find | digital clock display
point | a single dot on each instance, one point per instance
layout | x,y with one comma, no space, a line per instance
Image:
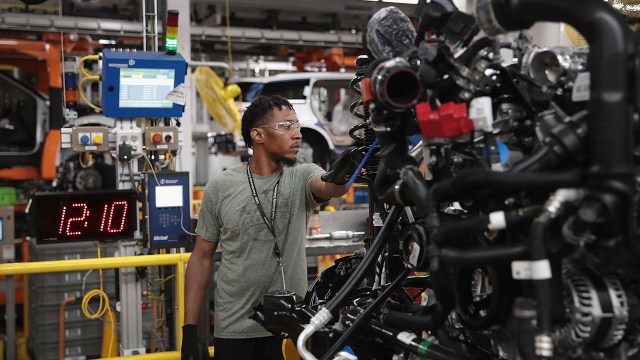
84,216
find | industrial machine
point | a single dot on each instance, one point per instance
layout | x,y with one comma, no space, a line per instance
142,101
511,231
137,132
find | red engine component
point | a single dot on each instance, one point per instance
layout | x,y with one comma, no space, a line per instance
449,120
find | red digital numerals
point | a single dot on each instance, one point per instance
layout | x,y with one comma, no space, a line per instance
74,219
109,222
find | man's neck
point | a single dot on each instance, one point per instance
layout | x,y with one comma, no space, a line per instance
263,165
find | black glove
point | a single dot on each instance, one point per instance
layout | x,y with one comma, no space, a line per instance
192,348
341,170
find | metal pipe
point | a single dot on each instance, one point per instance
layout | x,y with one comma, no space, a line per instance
166,355
155,26
144,25
89,264
180,295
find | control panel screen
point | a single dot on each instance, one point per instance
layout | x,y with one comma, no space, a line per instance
86,216
146,88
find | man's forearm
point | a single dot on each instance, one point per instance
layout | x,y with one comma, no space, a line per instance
333,190
197,279
326,190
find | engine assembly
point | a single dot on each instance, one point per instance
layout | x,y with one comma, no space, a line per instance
511,230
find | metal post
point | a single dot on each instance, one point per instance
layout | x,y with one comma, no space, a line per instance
10,289
155,27
186,157
131,342
144,25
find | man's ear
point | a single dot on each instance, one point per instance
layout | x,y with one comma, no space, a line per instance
257,136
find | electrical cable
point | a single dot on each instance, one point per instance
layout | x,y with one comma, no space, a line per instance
152,170
81,92
133,183
182,226
162,281
81,64
103,308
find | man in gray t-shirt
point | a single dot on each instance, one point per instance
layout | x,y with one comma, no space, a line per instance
257,212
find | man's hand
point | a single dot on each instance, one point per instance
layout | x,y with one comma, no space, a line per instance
341,170
192,348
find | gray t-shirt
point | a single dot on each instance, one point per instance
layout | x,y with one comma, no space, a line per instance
249,268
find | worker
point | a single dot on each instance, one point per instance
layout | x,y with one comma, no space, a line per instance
257,212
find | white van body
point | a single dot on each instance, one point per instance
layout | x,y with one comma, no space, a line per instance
321,100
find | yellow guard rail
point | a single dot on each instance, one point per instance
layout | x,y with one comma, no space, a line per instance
178,260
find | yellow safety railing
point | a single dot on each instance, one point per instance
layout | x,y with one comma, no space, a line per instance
178,260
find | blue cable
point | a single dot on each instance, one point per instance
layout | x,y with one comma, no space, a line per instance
364,160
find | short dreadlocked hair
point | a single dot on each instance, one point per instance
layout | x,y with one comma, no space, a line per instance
259,113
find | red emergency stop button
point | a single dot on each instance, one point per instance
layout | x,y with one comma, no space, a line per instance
156,138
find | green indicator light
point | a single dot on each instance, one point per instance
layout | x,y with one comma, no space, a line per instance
171,33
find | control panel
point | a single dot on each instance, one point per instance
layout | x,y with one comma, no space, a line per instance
86,138
136,84
161,138
168,209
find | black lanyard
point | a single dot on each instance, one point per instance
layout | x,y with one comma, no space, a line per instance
271,225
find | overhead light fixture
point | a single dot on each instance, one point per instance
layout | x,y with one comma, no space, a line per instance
107,42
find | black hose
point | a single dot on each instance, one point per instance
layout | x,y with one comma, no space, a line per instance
411,322
367,261
541,286
438,312
496,254
412,308
477,224
540,160
365,314
469,182
414,189
410,190
461,227
405,301
524,315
